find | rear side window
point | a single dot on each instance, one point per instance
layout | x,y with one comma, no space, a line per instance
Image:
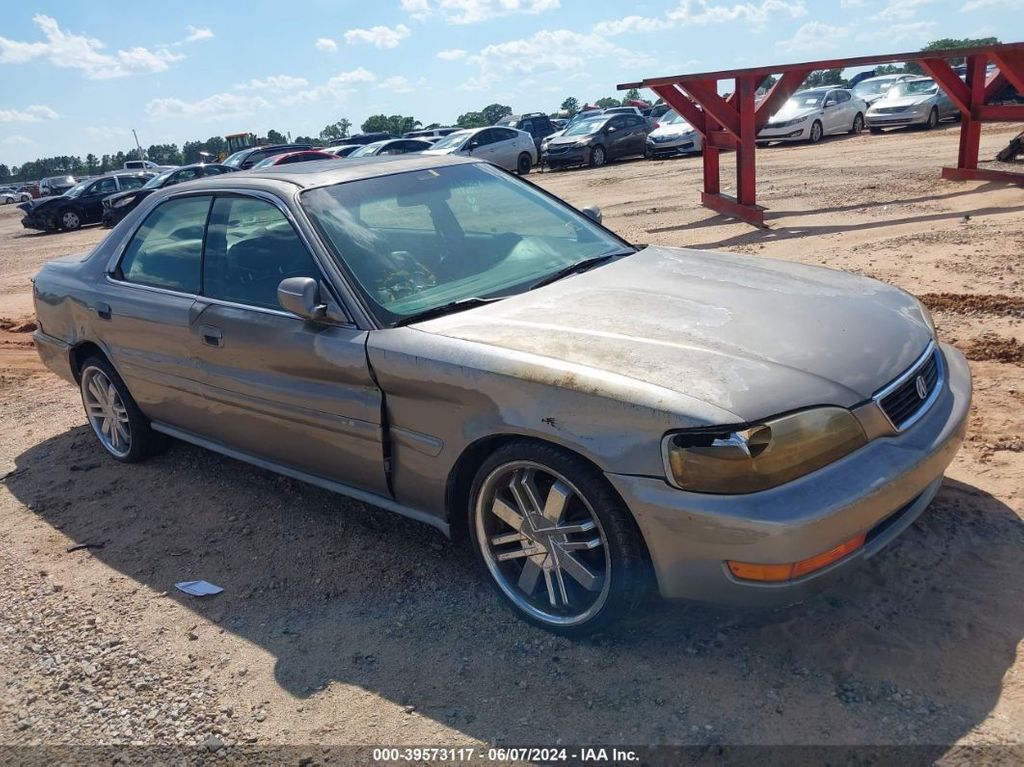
131,182
166,251
250,248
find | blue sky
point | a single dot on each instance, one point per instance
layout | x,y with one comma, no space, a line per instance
77,77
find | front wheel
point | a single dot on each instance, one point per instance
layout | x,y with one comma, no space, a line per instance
116,420
524,164
558,543
858,124
598,156
70,220
816,132
933,119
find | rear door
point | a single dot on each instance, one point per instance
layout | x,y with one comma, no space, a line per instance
278,387
504,148
618,137
145,313
637,127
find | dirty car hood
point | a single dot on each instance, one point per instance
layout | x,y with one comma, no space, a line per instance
749,335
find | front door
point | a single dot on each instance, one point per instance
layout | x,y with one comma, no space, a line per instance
278,387
91,201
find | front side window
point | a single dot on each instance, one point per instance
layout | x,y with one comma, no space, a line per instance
421,239
250,247
165,252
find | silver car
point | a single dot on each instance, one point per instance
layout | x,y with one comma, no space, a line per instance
919,102
507,148
814,113
436,337
673,137
875,88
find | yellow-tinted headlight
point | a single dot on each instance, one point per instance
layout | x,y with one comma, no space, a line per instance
763,455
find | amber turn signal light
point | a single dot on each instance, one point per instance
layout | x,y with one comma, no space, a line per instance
787,572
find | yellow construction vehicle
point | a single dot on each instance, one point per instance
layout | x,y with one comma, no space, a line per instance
237,142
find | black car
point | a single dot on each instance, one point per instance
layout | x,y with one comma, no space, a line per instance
117,206
537,124
246,158
368,138
598,140
80,205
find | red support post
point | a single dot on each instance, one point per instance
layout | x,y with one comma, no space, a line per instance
746,175
970,128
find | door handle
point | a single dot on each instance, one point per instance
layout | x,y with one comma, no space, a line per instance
102,310
211,336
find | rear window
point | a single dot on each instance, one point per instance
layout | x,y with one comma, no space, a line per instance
166,251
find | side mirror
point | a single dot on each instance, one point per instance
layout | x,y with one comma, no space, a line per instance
593,213
610,129
301,296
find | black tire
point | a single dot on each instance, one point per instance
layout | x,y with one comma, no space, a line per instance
875,131
933,120
858,124
523,164
69,220
621,557
598,157
817,132
143,442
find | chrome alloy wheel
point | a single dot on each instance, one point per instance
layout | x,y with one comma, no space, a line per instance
106,412
543,543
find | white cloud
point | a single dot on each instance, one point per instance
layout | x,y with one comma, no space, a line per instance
68,50
274,83
33,114
702,13
397,84
335,89
198,33
814,36
978,5
453,54
851,3
560,50
325,44
475,11
17,141
380,36
914,31
219,105
900,10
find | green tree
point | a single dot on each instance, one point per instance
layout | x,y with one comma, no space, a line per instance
889,69
571,106
949,43
92,163
632,94
274,137
396,125
607,102
5,172
472,120
494,112
824,77
335,131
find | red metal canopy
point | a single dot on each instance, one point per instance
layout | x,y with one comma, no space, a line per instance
734,123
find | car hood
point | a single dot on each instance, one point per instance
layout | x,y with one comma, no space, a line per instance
793,114
564,140
751,336
676,129
905,101
447,150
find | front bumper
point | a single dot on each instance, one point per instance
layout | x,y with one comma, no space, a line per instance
879,489
573,156
40,221
680,146
790,133
895,120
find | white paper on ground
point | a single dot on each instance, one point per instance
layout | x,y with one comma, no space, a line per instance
198,588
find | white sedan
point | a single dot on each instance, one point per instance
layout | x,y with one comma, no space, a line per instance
809,115
505,147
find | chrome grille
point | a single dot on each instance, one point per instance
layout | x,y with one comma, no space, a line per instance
905,400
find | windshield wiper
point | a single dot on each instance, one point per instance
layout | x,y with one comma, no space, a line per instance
577,267
449,308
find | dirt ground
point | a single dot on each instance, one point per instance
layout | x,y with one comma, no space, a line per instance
344,624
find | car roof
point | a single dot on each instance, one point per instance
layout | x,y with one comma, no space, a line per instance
307,175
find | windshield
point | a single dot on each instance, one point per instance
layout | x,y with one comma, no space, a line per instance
672,117
804,100
158,181
422,239
585,127
368,149
77,189
871,87
452,140
236,160
912,88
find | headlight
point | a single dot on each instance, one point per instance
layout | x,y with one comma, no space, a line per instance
123,201
762,455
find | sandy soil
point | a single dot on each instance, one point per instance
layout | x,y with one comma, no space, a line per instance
341,623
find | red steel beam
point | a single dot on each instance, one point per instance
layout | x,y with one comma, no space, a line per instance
955,88
995,84
705,93
680,102
779,93
728,206
1011,66
998,113
970,129
746,170
855,61
982,174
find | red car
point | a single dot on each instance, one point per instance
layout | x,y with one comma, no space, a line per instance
304,155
